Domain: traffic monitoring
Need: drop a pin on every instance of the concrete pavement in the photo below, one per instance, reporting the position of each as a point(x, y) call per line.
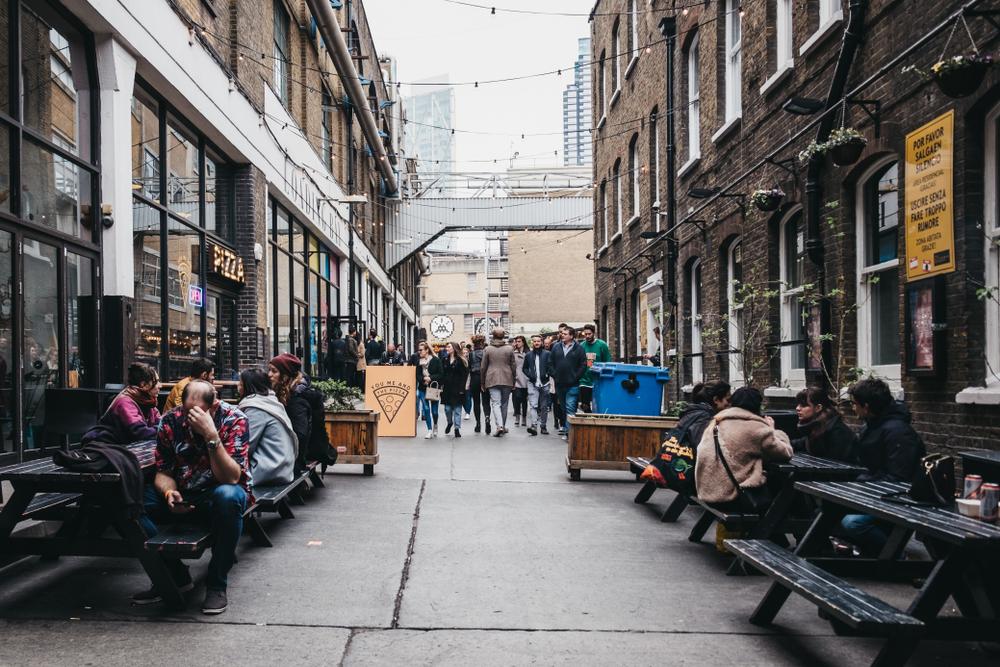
point(458, 552)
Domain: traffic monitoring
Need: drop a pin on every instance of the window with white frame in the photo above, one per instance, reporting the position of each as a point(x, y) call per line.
point(633, 32)
point(734, 59)
point(616, 55)
point(697, 366)
point(633, 166)
point(620, 329)
point(618, 197)
point(783, 34)
point(792, 256)
point(604, 214)
point(609, 86)
point(600, 83)
point(281, 53)
point(734, 310)
point(828, 10)
point(991, 220)
point(694, 100)
point(877, 245)
point(654, 167)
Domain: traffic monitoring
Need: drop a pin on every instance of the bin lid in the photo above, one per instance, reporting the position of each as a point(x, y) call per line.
point(606, 369)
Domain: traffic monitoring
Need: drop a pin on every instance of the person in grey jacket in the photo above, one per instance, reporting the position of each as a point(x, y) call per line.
point(273, 445)
point(520, 382)
point(498, 375)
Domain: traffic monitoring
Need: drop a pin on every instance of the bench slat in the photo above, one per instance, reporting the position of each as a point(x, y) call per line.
point(47, 501)
point(181, 539)
point(847, 603)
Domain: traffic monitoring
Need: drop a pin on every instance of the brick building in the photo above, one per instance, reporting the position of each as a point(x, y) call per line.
point(826, 287)
point(188, 178)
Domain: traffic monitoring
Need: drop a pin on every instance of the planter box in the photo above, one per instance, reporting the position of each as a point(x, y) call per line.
point(602, 442)
point(355, 435)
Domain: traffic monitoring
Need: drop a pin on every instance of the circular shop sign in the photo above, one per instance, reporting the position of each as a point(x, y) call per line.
point(442, 327)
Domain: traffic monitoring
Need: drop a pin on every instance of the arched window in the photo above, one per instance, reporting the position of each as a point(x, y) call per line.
point(633, 167)
point(877, 243)
point(619, 209)
point(633, 32)
point(734, 310)
point(991, 225)
point(694, 100)
point(616, 56)
point(792, 254)
point(694, 284)
point(600, 84)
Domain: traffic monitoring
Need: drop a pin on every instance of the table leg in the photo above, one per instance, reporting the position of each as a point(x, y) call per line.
point(775, 516)
point(819, 532)
point(152, 562)
point(898, 539)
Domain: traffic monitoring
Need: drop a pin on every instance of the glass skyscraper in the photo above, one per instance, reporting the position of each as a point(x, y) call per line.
point(576, 111)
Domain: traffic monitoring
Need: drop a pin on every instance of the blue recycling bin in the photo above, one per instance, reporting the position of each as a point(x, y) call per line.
point(629, 389)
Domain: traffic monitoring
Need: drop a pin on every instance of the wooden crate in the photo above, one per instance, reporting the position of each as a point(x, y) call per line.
point(355, 435)
point(602, 442)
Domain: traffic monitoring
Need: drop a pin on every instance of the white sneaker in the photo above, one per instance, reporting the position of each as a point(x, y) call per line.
point(467, 415)
point(428, 435)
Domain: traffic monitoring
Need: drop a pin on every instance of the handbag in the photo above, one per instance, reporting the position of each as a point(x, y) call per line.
point(755, 500)
point(433, 392)
point(932, 486)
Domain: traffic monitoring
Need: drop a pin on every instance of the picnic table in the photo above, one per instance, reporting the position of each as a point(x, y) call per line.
point(43, 489)
point(964, 555)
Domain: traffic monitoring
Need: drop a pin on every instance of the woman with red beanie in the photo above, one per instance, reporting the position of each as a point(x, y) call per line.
point(285, 373)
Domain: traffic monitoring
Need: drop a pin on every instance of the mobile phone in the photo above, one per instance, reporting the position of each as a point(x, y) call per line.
point(184, 504)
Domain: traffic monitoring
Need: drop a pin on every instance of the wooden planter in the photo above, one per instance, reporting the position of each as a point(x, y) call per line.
point(355, 435)
point(602, 442)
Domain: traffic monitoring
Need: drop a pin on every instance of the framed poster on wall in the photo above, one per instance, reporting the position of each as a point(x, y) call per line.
point(925, 327)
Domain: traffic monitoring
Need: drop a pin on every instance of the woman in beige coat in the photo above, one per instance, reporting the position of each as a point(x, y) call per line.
point(748, 441)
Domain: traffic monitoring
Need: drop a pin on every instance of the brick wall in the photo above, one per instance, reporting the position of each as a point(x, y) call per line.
point(907, 102)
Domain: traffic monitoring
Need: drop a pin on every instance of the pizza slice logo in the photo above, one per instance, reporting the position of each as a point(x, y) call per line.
point(390, 398)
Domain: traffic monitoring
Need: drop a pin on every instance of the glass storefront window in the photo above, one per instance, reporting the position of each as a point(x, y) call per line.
point(314, 328)
point(218, 178)
point(4, 166)
point(55, 83)
point(284, 326)
point(55, 193)
point(185, 297)
point(145, 147)
point(313, 258)
point(41, 333)
point(7, 362)
point(298, 241)
point(281, 230)
point(183, 182)
point(147, 260)
point(81, 321)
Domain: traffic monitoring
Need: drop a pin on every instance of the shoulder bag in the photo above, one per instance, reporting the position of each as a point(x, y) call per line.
point(933, 485)
point(433, 392)
point(753, 501)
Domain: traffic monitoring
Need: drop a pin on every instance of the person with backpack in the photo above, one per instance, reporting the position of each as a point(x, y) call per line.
point(673, 466)
point(480, 400)
point(730, 465)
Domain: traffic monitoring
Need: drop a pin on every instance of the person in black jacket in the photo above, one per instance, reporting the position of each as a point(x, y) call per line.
point(456, 372)
point(825, 433)
point(706, 400)
point(479, 399)
point(373, 349)
point(567, 364)
point(392, 356)
point(536, 367)
point(285, 373)
point(336, 357)
point(890, 450)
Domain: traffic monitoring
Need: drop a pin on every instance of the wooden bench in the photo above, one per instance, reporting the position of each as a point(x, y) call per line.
point(637, 465)
point(852, 610)
point(181, 540)
point(733, 521)
point(43, 503)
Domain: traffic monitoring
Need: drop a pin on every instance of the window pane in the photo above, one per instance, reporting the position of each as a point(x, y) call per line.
point(882, 211)
point(7, 361)
point(283, 298)
point(147, 259)
point(281, 228)
point(145, 147)
point(298, 242)
point(315, 340)
point(81, 321)
point(218, 195)
point(182, 174)
point(55, 193)
point(4, 165)
point(794, 251)
point(313, 258)
point(797, 332)
point(41, 333)
point(54, 79)
point(885, 318)
point(185, 297)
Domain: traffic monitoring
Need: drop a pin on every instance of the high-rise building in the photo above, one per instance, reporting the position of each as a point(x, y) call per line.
point(430, 114)
point(576, 110)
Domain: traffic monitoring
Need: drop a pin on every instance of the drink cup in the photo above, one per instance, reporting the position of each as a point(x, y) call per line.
point(989, 498)
point(972, 486)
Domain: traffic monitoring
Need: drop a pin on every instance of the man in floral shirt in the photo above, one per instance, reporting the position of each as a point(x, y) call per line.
point(202, 469)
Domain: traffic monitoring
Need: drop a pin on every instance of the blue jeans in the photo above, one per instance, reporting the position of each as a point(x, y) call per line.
point(866, 532)
point(221, 508)
point(453, 413)
point(430, 412)
point(568, 397)
point(420, 403)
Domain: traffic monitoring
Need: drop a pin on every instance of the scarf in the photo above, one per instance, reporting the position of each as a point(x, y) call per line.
point(140, 397)
point(816, 428)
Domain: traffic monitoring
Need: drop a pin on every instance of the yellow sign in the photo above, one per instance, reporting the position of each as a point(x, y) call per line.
point(392, 392)
point(929, 203)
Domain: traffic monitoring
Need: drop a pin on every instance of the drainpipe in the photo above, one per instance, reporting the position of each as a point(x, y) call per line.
point(814, 187)
point(330, 30)
point(668, 28)
point(838, 85)
point(350, 215)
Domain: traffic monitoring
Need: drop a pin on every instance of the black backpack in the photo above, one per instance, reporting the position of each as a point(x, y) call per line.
point(673, 465)
point(318, 448)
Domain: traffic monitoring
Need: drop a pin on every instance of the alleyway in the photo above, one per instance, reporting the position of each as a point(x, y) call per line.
point(511, 564)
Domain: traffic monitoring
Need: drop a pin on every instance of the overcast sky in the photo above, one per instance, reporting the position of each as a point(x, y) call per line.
point(434, 37)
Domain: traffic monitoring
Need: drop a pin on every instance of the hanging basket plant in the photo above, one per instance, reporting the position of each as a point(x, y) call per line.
point(960, 76)
point(845, 146)
point(767, 200)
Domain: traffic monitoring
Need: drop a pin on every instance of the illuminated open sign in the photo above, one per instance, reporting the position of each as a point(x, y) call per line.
point(196, 296)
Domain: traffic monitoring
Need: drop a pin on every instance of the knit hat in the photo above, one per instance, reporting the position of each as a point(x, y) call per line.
point(287, 364)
